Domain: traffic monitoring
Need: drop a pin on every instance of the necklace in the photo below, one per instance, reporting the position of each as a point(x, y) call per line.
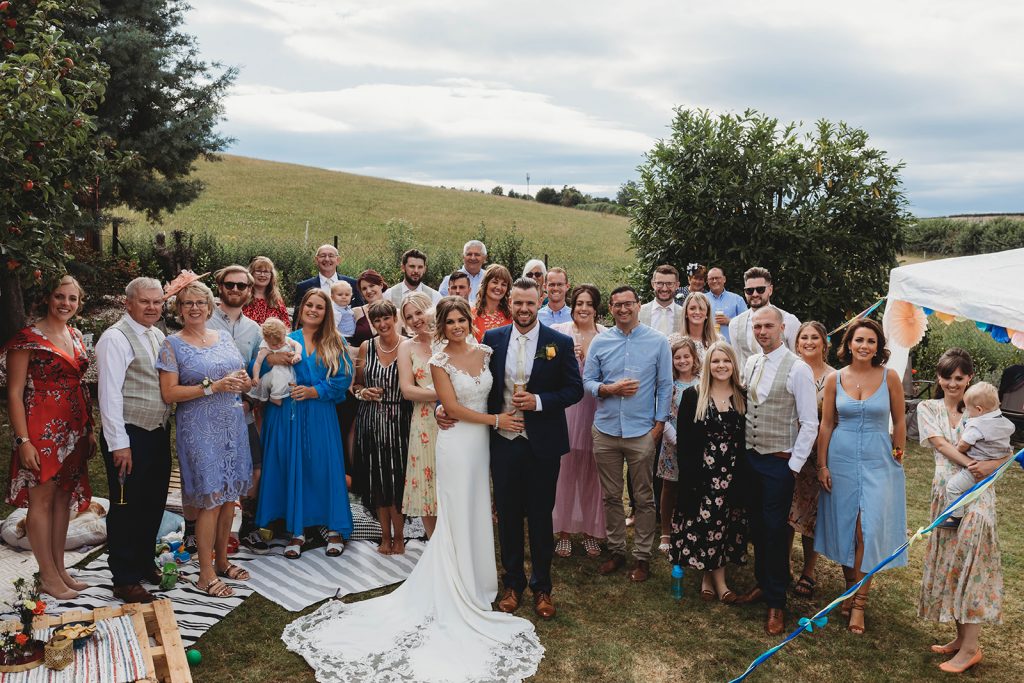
point(202, 339)
point(381, 349)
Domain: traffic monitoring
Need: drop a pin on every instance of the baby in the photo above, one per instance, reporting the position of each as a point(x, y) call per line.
point(986, 436)
point(275, 385)
point(341, 295)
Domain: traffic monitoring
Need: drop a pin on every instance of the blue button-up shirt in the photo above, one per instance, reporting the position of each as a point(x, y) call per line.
point(728, 303)
point(643, 354)
point(549, 317)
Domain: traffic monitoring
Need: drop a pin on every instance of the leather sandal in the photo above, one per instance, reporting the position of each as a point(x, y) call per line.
point(563, 548)
point(335, 545)
point(804, 586)
point(860, 601)
point(847, 604)
point(294, 548)
point(592, 547)
point(665, 546)
point(233, 572)
point(216, 589)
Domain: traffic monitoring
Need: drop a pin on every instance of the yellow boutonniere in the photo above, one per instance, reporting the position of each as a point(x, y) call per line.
point(548, 352)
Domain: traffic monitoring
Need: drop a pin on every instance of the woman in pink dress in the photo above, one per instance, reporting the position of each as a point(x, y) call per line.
point(578, 505)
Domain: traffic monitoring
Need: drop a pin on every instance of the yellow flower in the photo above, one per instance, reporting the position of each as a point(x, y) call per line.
point(549, 351)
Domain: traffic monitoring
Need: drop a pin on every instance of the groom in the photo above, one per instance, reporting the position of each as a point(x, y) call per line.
point(541, 364)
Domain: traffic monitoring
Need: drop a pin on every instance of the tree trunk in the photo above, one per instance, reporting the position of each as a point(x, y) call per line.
point(12, 305)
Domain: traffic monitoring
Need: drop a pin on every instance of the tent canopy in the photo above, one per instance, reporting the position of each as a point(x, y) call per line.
point(985, 288)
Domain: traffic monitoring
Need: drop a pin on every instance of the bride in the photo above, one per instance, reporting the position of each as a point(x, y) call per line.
point(438, 625)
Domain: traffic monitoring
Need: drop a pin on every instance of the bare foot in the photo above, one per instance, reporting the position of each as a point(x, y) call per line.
point(385, 546)
point(72, 583)
point(398, 546)
point(58, 590)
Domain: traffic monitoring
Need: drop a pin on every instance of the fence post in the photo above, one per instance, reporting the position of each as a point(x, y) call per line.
point(114, 225)
point(335, 241)
point(545, 261)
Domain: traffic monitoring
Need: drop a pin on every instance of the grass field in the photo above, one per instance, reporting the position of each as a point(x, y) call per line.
point(609, 630)
point(253, 200)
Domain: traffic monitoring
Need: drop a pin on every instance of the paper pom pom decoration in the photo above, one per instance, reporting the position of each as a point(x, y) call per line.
point(907, 323)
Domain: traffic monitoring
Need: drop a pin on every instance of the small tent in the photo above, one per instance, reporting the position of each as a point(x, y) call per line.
point(986, 288)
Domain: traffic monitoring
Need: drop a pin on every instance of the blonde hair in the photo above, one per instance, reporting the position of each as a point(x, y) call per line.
point(685, 342)
point(983, 395)
point(272, 293)
point(199, 288)
point(330, 347)
point(420, 302)
point(704, 392)
point(341, 284)
point(273, 328)
point(822, 332)
point(707, 332)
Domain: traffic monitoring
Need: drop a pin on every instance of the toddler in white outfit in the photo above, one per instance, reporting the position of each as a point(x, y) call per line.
point(276, 384)
point(986, 436)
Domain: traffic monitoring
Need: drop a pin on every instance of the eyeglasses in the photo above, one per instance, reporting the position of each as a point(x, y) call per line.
point(535, 275)
point(623, 304)
point(262, 272)
point(241, 286)
point(759, 290)
point(193, 304)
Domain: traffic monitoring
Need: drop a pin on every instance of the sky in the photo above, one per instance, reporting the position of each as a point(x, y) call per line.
point(475, 93)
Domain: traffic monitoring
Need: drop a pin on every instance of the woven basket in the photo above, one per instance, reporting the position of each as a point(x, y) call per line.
point(59, 653)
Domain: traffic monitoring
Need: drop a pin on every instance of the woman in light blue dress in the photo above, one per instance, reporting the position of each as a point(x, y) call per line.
point(303, 479)
point(862, 508)
point(202, 371)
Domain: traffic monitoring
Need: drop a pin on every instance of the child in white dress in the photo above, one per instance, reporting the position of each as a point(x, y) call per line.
point(276, 384)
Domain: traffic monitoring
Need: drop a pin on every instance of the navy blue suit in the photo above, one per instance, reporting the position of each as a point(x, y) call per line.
point(525, 470)
point(302, 287)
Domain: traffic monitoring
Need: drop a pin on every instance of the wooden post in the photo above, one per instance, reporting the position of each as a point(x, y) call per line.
point(114, 225)
point(335, 241)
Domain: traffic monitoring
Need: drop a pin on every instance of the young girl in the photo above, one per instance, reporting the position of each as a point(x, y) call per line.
point(685, 374)
point(344, 316)
point(276, 384)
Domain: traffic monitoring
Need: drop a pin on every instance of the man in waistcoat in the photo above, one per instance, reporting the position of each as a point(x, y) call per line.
point(758, 288)
point(135, 440)
point(663, 314)
point(782, 424)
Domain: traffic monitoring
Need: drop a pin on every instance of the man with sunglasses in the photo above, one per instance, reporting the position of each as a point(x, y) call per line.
point(234, 289)
point(757, 287)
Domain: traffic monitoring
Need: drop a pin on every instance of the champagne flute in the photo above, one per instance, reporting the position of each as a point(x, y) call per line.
point(120, 480)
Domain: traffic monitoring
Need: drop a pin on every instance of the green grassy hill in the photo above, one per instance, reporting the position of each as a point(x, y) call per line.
point(250, 200)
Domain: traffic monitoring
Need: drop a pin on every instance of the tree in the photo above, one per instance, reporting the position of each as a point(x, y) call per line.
point(498, 190)
point(547, 195)
point(163, 103)
point(570, 196)
point(823, 211)
point(50, 149)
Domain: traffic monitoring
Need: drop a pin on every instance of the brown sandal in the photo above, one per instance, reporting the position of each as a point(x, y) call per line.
point(233, 572)
point(860, 601)
point(216, 589)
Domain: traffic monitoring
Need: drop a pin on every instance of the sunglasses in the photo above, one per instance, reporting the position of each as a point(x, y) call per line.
point(241, 286)
point(535, 275)
point(759, 290)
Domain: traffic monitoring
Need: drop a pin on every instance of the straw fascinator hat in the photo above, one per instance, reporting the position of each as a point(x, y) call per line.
point(184, 279)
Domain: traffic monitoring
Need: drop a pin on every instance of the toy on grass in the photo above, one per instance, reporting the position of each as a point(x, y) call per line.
point(193, 656)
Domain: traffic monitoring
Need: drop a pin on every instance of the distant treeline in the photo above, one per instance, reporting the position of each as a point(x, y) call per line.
point(965, 235)
point(570, 197)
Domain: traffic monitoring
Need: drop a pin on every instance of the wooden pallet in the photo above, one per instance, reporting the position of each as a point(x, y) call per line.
point(156, 627)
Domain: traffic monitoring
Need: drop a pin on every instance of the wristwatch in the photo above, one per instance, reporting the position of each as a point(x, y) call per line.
point(207, 386)
point(18, 440)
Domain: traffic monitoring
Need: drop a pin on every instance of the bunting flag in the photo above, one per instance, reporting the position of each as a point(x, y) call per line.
point(866, 312)
point(819, 620)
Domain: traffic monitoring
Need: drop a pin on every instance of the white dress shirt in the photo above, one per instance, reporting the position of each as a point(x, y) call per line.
point(663, 318)
point(762, 369)
point(512, 357)
point(396, 293)
point(327, 282)
point(114, 354)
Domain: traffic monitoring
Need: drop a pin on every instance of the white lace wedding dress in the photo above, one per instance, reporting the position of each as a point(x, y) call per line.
point(438, 626)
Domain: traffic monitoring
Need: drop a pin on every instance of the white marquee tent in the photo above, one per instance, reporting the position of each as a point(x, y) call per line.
point(986, 288)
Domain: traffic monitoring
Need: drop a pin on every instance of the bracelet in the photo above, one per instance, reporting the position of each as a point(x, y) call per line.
point(822, 467)
point(496, 416)
point(358, 393)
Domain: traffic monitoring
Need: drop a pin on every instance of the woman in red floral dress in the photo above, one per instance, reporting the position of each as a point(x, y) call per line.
point(491, 308)
point(51, 416)
point(266, 301)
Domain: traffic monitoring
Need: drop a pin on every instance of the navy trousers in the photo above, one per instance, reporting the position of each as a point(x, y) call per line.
point(770, 485)
point(132, 527)
point(524, 486)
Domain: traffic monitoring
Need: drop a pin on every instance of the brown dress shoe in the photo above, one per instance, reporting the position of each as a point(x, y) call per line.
point(543, 605)
point(509, 601)
point(776, 622)
point(611, 565)
point(133, 592)
point(641, 571)
point(755, 595)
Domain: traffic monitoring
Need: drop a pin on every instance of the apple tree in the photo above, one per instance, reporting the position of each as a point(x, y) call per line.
point(50, 153)
point(822, 209)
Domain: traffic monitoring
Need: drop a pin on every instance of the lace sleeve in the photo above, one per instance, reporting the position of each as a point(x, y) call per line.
point(440, 359)
point(488, 351)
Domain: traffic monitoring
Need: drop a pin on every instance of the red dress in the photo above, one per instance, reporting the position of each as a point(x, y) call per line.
point(59, 416)
point(488, 321)
point(258, 310)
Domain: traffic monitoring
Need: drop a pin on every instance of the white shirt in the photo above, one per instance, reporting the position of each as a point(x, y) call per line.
point(512, 356)
point(398, 292)
point(114, 354)
point(327, 282)
point(791, 325)
point(663, 318)
point(800, 385)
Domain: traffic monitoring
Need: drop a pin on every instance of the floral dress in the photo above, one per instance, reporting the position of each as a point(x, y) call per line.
point(963, 576)
point(710, 530)
point(259, 310)
point(668, 467)
point(59, 416)
point(488, 321)
point(420, 497)
point(803, 514)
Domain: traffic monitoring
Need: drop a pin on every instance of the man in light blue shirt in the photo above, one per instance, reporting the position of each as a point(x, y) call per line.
point(474, 256)
point(629, 370)
point(724, 305)
point(556, 311)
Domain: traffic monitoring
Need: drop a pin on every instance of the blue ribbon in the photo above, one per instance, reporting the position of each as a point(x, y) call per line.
point(809, 624)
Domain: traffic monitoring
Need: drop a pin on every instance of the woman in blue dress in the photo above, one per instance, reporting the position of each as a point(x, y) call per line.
point(303, 457)
point(202, 371)
point(862, 508)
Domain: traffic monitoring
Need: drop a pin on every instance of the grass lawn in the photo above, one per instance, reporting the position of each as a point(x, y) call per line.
point(610, 630)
